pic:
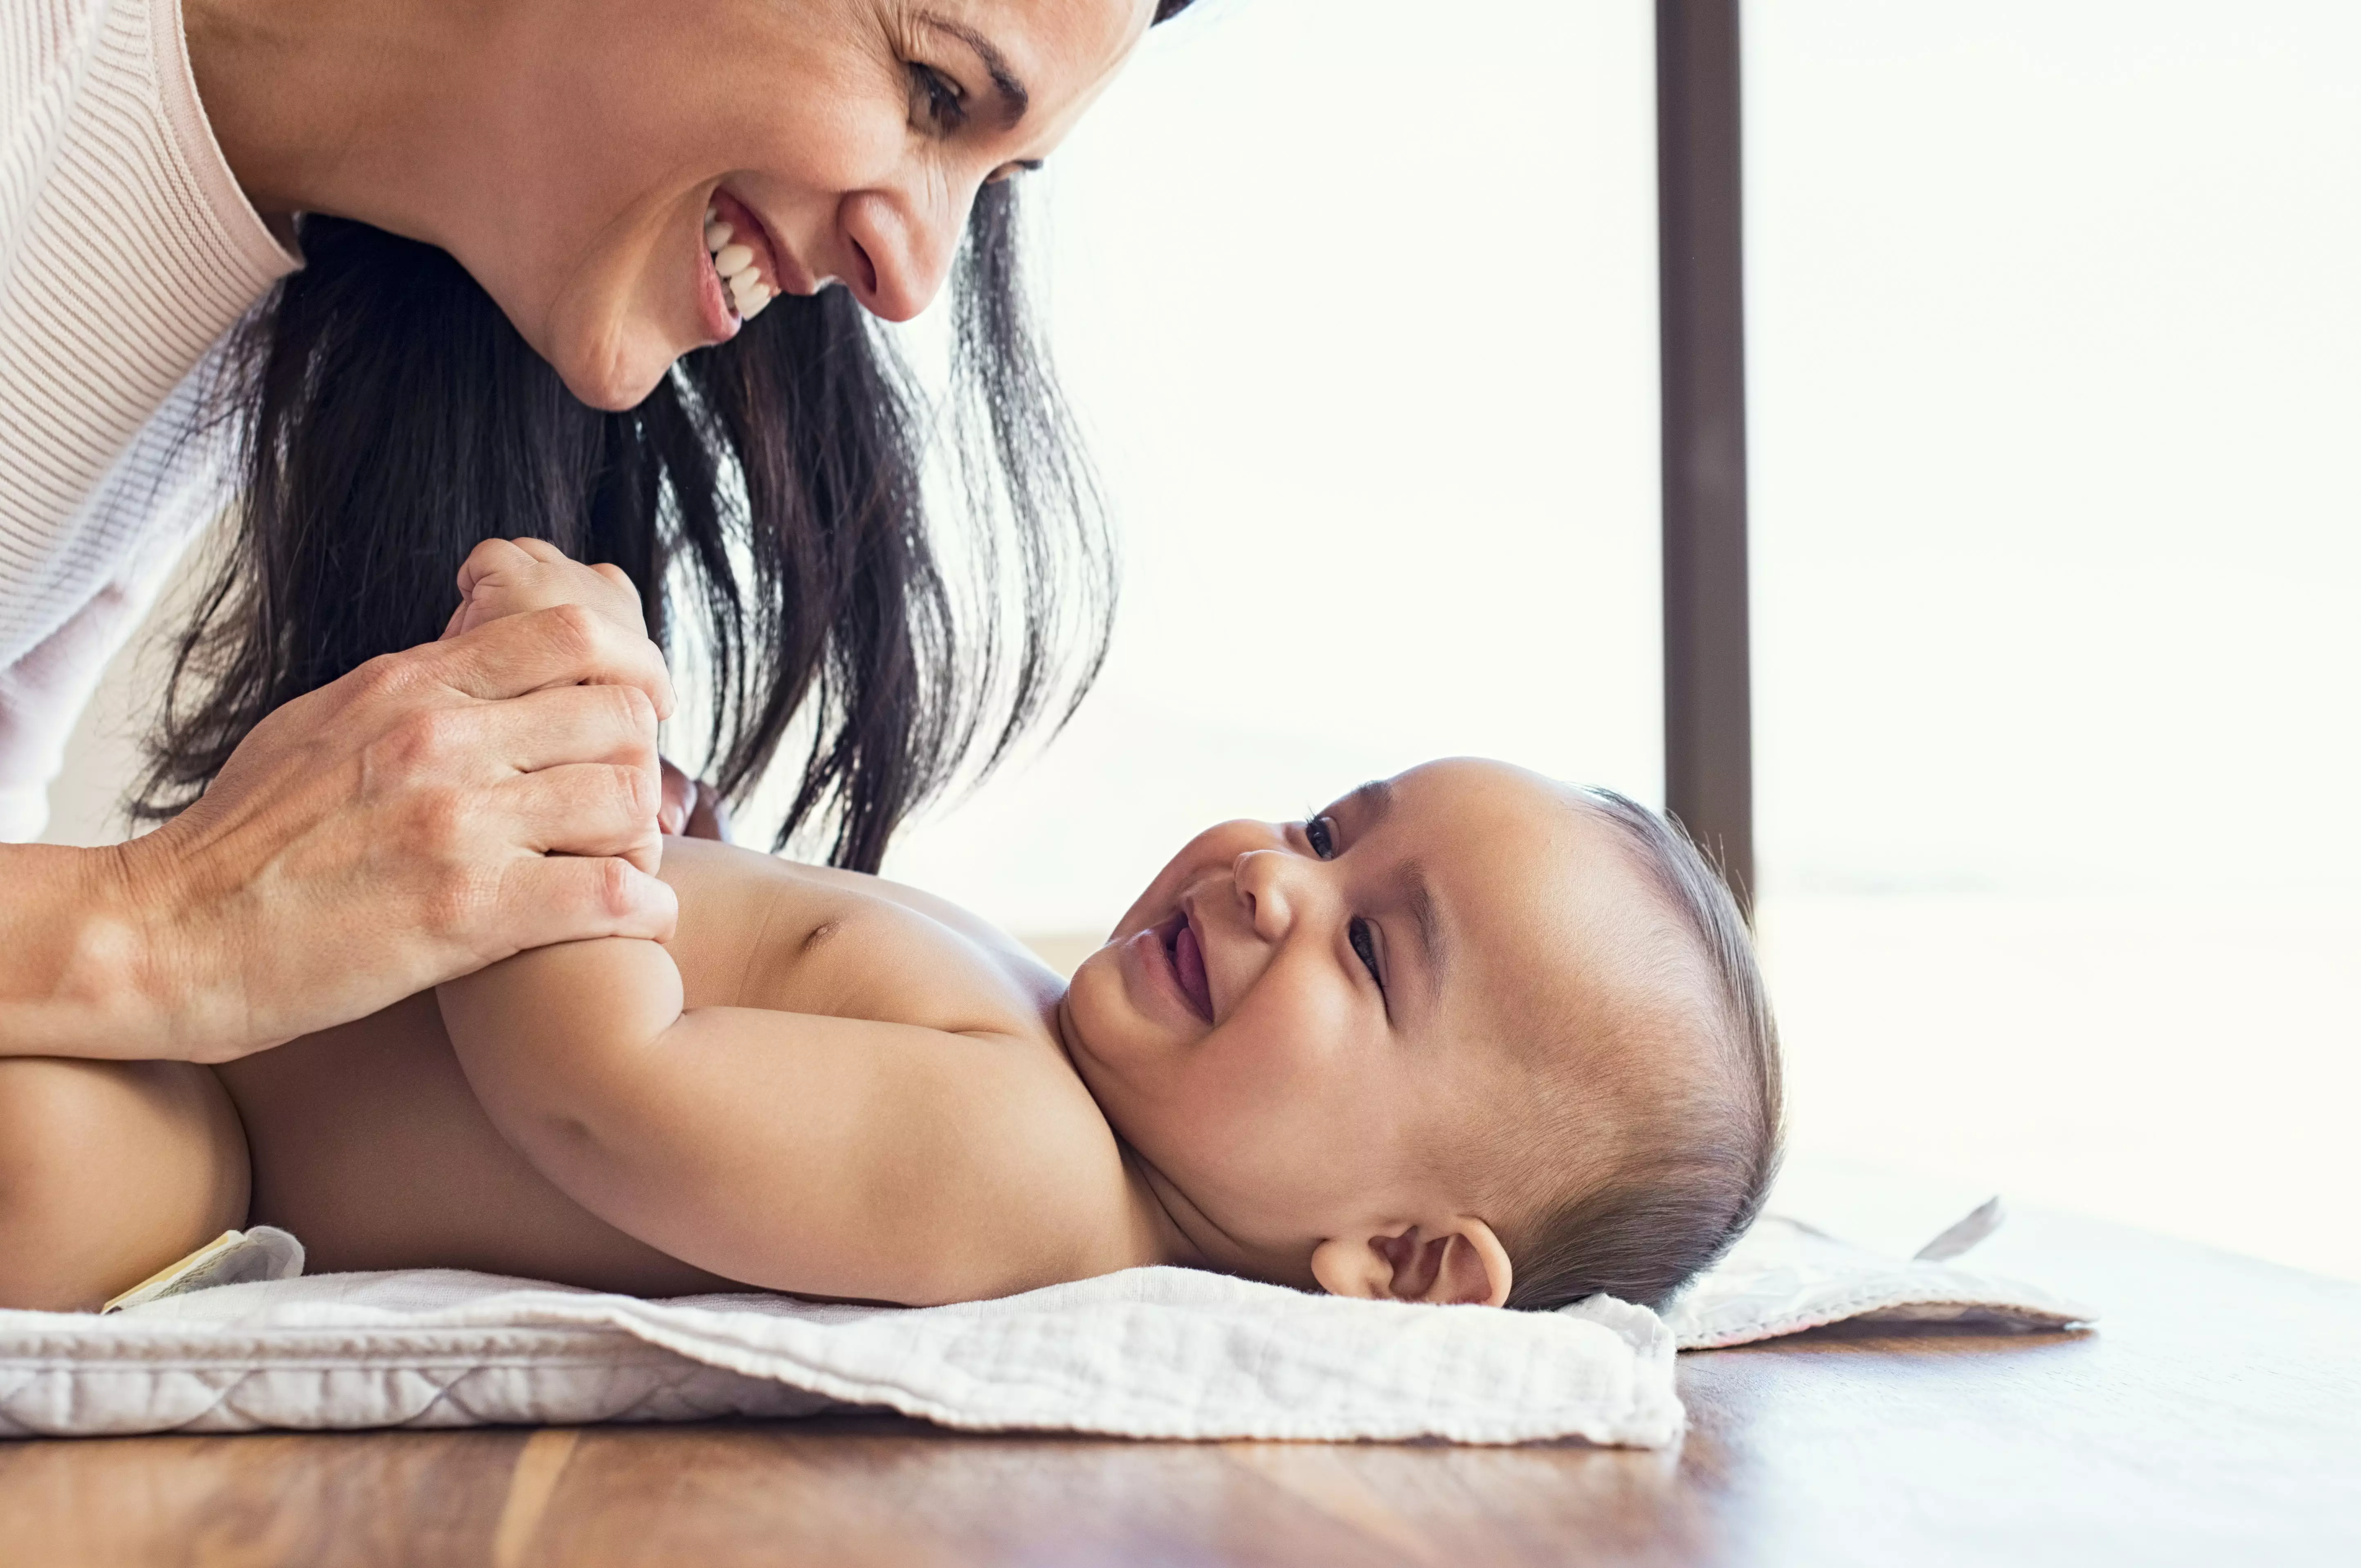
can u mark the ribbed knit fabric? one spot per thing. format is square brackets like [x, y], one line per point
[127, 251]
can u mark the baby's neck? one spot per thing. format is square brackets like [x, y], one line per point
[1170, 1225]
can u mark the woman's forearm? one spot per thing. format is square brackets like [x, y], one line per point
[80, 971]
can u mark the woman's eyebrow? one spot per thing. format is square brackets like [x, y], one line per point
[1015, 97]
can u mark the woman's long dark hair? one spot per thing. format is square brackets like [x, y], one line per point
[387, 419]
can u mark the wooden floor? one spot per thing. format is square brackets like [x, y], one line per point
[2216, 1419]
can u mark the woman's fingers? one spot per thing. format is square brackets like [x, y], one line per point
[569, 724]
[576, 768]
[566, 644]
[588, 808]
[566, 898]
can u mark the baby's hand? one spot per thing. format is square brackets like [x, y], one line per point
[509, 577]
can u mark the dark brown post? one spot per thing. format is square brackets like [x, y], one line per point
[1709, 732]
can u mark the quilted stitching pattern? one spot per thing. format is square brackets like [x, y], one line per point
[1152, 1353]
[1162, 1353]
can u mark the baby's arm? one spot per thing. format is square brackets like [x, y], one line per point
[834, 1156]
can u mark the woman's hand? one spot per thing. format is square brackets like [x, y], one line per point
[432, 812]
[509, 577]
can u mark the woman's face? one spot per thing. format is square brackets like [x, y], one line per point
[840, 140]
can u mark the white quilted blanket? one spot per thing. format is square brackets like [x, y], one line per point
[1162, 1353]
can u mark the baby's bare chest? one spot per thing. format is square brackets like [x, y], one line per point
[367, 1141]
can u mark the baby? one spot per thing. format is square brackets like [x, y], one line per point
[1464, 1036]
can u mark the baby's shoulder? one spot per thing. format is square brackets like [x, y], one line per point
[757, 931]
[1002, 1171]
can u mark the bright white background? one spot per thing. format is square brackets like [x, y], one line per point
[1358, 307]
[2054, 351]
[2055, 383]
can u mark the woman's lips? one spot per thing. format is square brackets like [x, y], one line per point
[744, 256]
[714, 311]
[771, 263]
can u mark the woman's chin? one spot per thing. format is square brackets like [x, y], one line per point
[614, 386]
[612, 366]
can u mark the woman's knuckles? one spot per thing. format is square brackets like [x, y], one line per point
[389, 680]
[464, 904]
[425, 746]
[617, 887]
[445, 828]
[625, 801]
[630, 710]
[594, 647]
[598, 808]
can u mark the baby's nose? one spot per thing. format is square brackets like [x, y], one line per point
[1261, 877]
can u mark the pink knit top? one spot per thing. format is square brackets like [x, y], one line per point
[127, 251]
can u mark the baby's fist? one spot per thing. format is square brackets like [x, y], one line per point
[509, 577]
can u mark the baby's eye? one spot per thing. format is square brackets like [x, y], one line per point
[1320, 834]
[936, 98]
[1365, 947]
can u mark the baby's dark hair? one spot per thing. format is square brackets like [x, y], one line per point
[1698, 1166]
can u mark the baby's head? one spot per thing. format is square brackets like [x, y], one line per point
[1467, 1035]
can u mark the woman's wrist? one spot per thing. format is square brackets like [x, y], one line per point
[80, 971]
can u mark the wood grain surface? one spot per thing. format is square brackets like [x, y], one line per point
[2215, 1418]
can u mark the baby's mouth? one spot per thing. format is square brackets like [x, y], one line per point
[742, 254]
[1188, 958]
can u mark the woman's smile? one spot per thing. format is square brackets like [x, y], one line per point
[747, 268]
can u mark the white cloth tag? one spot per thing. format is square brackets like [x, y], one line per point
[233, 1257]
[1784, 1276]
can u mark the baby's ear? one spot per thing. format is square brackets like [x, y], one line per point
[1461, 1261]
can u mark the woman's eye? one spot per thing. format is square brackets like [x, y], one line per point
[1320, 834]
[1365, 947]
[936, 98]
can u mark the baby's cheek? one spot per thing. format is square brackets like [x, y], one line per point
[1272, 1065]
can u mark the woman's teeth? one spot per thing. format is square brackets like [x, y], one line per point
[735, 263]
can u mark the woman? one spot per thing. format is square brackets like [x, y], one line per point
[518, 217]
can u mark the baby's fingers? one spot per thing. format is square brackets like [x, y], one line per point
[495, 556]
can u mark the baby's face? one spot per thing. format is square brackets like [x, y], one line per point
[1301, 1028]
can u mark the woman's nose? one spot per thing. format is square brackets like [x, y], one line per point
[904, 242]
